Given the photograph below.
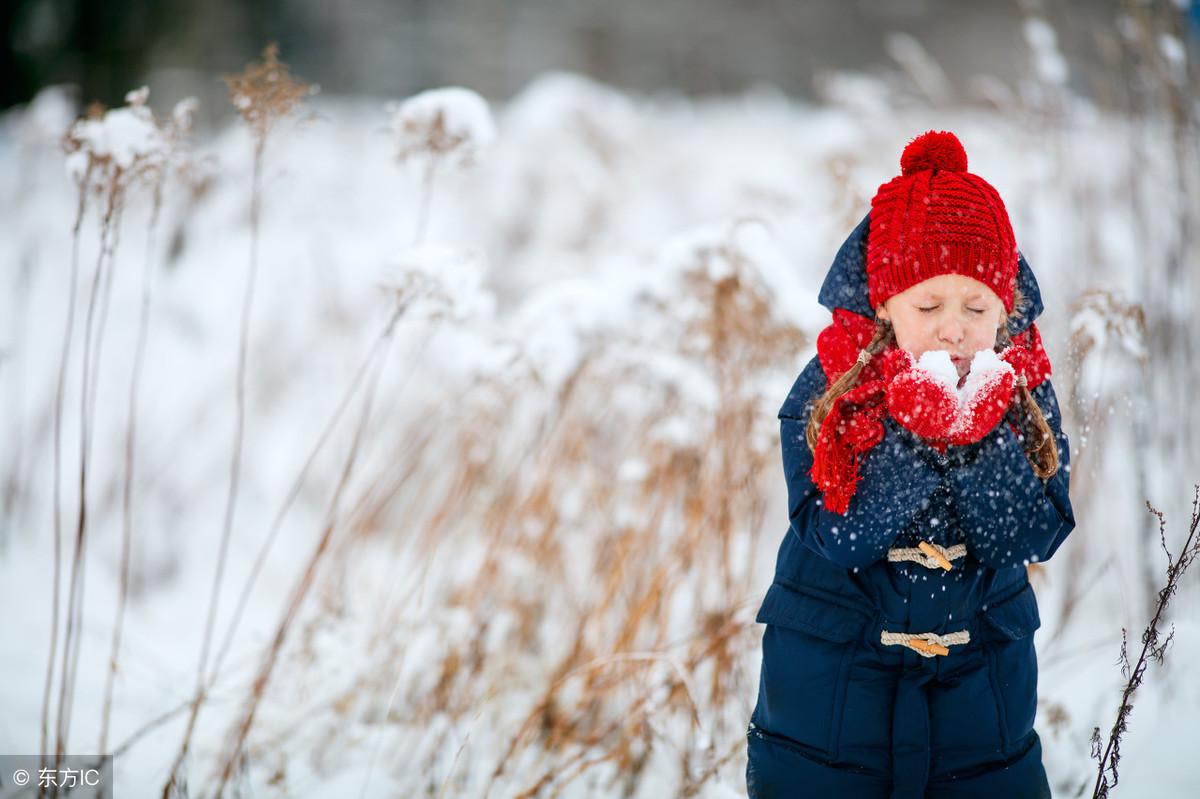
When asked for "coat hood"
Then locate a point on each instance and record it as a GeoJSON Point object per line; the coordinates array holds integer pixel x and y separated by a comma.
{"type": "Point", "coordinates": [845, 285]}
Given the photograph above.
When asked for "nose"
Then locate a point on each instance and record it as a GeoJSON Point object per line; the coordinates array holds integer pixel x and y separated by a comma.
{"type": "Point", "coordinates": [951, 331]}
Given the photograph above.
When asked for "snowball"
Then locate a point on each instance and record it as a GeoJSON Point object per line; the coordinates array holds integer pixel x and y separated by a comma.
{"type": "Point", "coordinates": [985, 367]}
{"type": "Point", "coordinates": [938, 365]}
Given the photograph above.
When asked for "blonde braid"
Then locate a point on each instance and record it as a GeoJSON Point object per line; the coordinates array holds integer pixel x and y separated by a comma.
{"type": "Point", "coordinates": [884, 335]}
{"type": "Point", "coordinates": [1037, 439]}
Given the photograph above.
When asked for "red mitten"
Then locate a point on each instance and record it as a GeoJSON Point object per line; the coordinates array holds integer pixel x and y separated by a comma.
{"type": "Point", "coordinates": [923, 398]}
{"type": "Point", "coordinates": [985, 396]}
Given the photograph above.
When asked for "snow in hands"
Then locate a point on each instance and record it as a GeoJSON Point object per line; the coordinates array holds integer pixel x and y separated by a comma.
{"type": "Point", "coordinates": [963, 413]}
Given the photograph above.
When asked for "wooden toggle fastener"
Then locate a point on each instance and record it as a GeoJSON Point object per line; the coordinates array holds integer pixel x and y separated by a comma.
{"type": "Point", "coordinates": [927, 646]}
{"type": "Point", "coordinates": [932, 552]}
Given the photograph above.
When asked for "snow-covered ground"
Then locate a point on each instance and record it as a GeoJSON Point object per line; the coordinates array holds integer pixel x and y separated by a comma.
{"type": "Point", "coordinates": [555, 372]}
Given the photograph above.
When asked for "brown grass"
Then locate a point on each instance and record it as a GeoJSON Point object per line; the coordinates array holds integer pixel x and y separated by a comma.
{"type": "Point", "coordinates": [611, 556]}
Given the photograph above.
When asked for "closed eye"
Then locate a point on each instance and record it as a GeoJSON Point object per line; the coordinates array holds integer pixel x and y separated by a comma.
{"type": "Point", "coordinates": [935, 307]}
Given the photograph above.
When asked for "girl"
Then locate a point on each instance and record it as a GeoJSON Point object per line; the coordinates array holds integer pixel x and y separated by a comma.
{"type": "Point", "coordinates": [926, 469]}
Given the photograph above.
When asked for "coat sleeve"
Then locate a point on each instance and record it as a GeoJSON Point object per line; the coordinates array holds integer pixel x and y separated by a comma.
{"type": "Point", "coordinates": [895, 483]}
{"type": "Point", "coordinates": [1009, 515]}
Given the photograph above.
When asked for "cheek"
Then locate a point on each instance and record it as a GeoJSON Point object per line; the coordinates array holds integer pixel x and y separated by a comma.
{"type": "Point", "coordinates": [913, 335]}
{"type": "Point", "coordinates": [983, 337]}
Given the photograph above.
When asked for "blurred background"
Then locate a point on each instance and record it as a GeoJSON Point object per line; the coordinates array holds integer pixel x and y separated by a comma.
{"type": "Point", "coordinates": [375, 47]}
{"type": "Point", "coordinates": [411, 397]}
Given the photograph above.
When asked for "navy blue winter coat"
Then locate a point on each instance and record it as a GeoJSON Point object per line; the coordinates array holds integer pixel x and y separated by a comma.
{"type": "Point", "coordinates": [842, 714]}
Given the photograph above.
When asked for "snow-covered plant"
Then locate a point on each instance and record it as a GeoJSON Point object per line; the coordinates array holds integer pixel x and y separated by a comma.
{"type": "Point", "coordinates": [107, 154]}
{"type": "Point", "coordinates": [108, 148]}
{"type": "Point", "coordinates": [450, 126]}
{"type": "Point", "coordinates": [440, 128]}
{"type": "Point", "coordinates": [1103, 323]}
{"type": "Point", "coordinates": [112, 150]}
{"type": "Point", "coordinates": [129, 144]}
{"type": "Point", "coordinates": [436, 282]}
{"type": "Point", "coordinates": [444, 282]}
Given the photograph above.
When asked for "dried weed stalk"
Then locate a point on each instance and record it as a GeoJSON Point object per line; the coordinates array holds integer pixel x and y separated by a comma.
{"type": "Point", "coordinates": [1108, 753]}
{"type": "Point", "coordinates": [114, 195]}
{"type": "Point", "coordinates": [370, 373]}
{"type": "Point", "coordinates": [108, 153]}
{"type": "Point", "coordinates": [175, 157]}
{"type": "Point", "coordinates": [59, 403]}
{"type": "Point", "coordinates": [263, 94]}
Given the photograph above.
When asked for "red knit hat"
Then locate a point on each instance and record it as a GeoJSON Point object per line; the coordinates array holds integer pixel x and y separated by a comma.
{"type": "Point", "coordinates": [937, 218]}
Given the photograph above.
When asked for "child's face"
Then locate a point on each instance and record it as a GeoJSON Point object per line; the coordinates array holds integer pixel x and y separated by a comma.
{"type": "Point", "coordinates": [955, 313]}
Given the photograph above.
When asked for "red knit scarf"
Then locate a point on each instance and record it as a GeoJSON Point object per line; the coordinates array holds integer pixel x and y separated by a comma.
{"type": "Point", "coordinates": [854, 424]}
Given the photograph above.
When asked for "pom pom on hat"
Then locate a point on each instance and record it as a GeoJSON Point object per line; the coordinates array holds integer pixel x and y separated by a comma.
{"type": "Point", "coordinates": [936, 149]}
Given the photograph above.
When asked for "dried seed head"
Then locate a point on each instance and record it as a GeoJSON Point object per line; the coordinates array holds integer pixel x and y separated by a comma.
{"type": "Point", "coordinates": [265, 93]}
